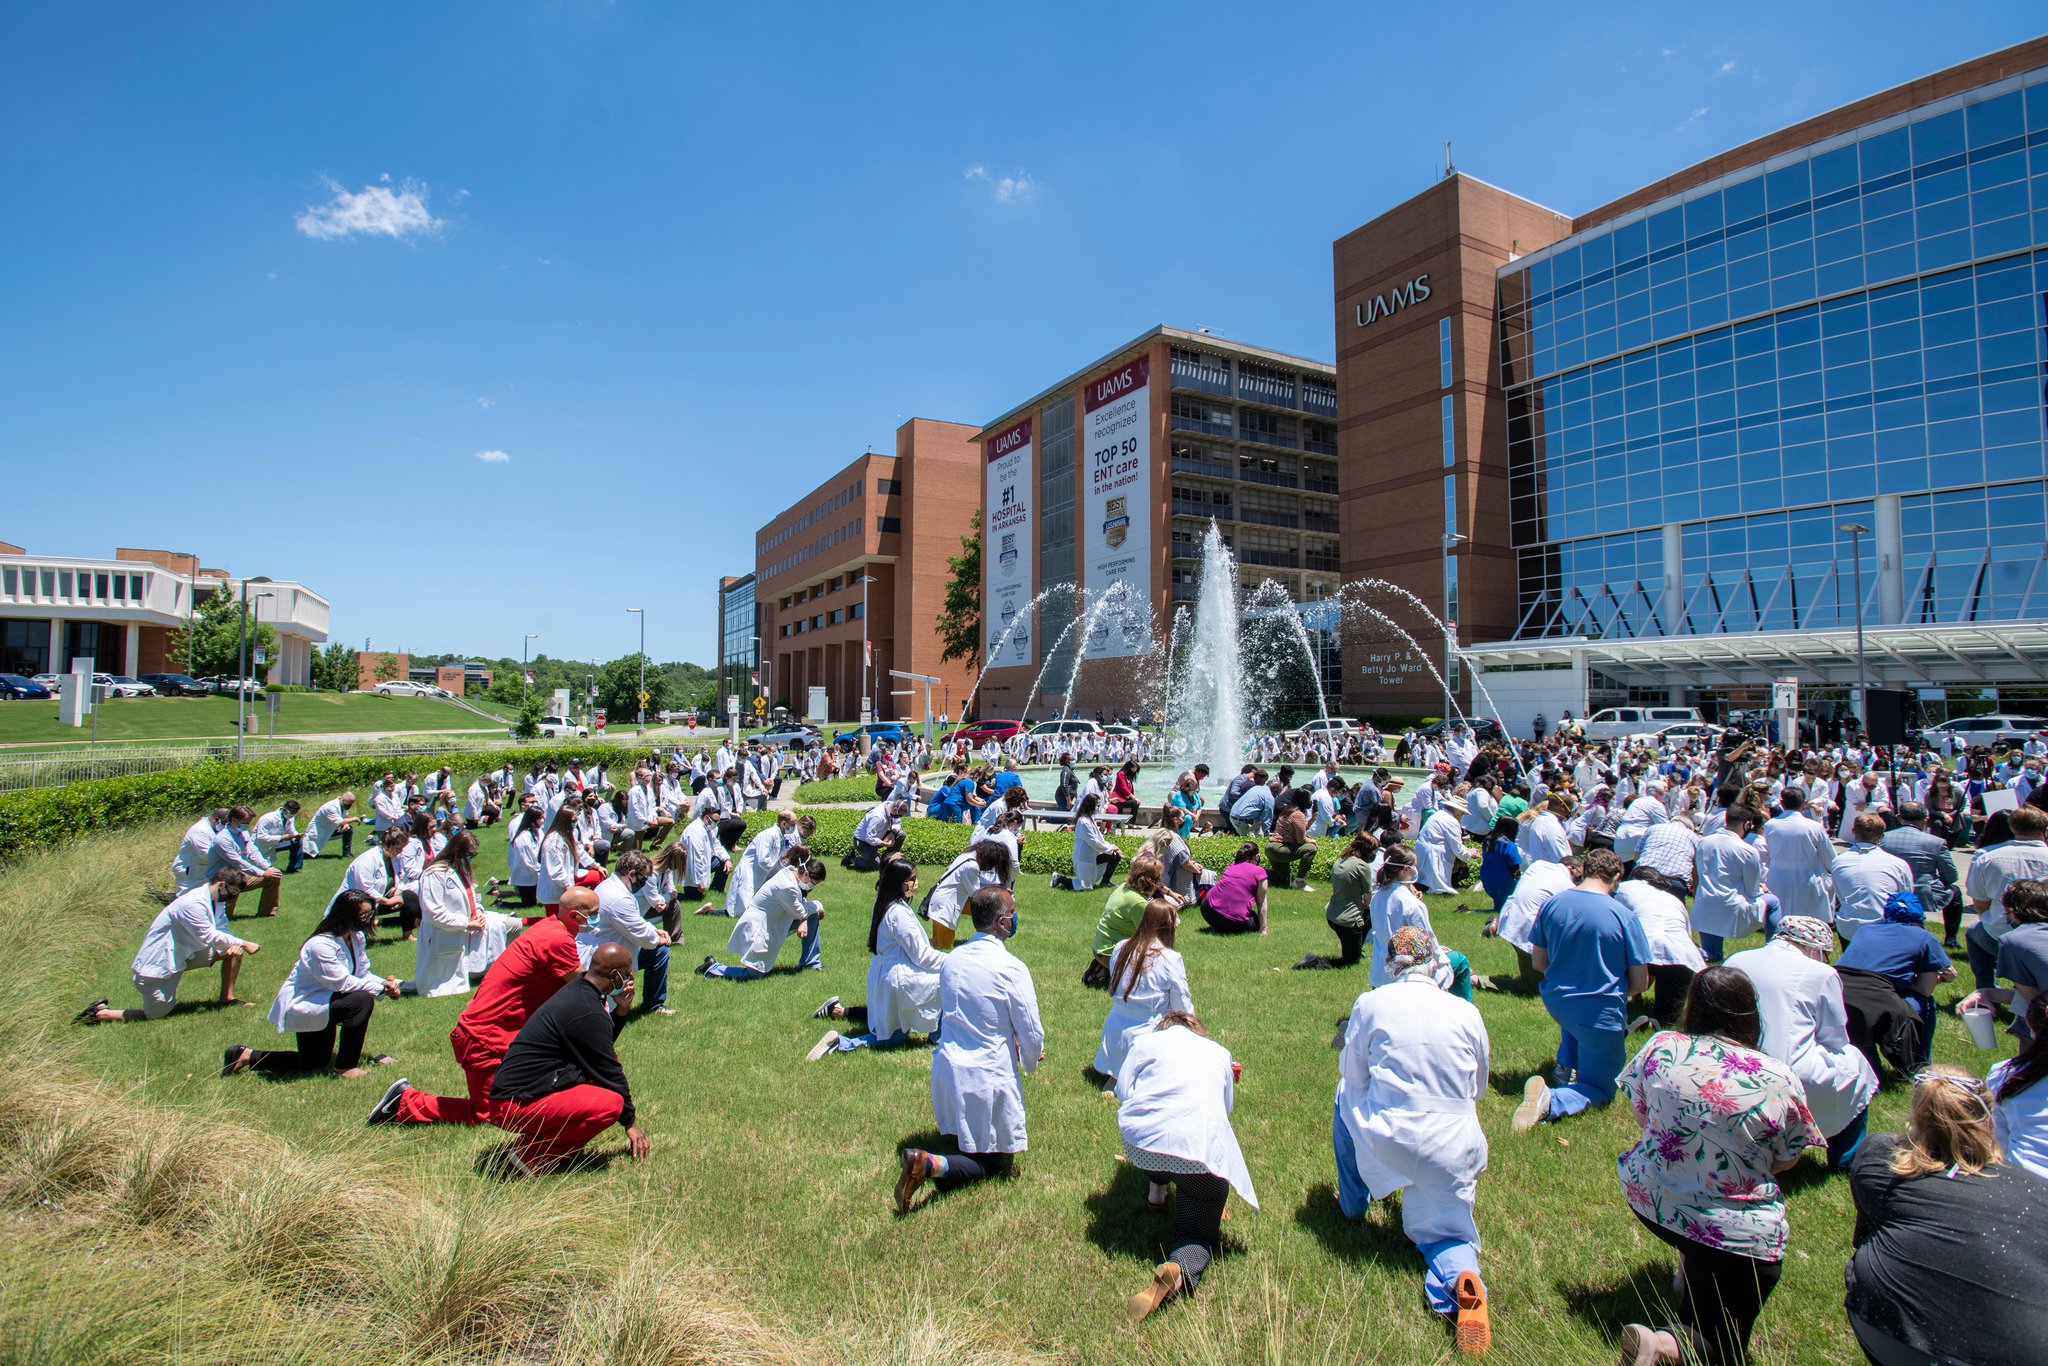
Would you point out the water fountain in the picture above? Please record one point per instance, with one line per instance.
(1205, 700)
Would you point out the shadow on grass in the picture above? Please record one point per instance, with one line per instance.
(1642, 1296)
(1812, 1171)
(1376, 1238)
(1509, 1081)
(494, 1163)
(1122, 1224)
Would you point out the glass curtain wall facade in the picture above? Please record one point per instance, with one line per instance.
(1056, 534)
(739, 656)
(1701, 393)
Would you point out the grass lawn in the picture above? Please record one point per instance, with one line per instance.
(213, 718)
(778, 1171)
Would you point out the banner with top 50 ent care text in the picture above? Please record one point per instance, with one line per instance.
(1006, 536)
(1115, 473)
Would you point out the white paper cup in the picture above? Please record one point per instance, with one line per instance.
(1983, 1026)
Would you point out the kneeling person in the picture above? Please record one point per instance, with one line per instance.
(189, 933)
(561, 1084)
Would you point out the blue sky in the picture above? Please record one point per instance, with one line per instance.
(484, 319)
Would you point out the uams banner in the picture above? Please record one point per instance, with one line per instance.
(1006, 537)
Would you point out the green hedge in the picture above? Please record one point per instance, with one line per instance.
(854, 787)
(50, 816)
(930, 843)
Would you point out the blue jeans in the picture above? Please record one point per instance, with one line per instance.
(1714, 946)
(1982, 949)
(1352, 1196)
(653, 965)
(1842, 1145)
(1593, 1058)
(297, 858)
(809, 958)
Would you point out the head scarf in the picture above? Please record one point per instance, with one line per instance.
(1807, 932)
(1410, 947)
(1904, 908)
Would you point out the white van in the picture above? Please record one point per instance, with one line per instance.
(1617, 723)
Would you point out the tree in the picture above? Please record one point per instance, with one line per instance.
(386, 668)
(211, 641)
(960, 619)
(334, 668)
(528, 726)
(618, 686)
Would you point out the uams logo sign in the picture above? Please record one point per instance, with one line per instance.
(1393, 301)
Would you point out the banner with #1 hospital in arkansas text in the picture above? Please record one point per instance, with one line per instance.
(1116, 508)
(1006, 537)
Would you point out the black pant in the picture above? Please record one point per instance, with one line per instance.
(1952, 919)
(1672, 981)
(528, 895)
(348, 841)
(1350, 948)
(1106, 865)
(1724, 1293)
(1197, 1219)
(348, 1015)
(964, 1169)
(1223, 925)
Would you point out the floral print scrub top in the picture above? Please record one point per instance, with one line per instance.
(1716, 1117)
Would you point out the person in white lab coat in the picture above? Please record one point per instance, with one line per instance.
(1412, 1070)
(190, 933)
(1394, 904)
(279, 829)
(1806, 1027)
(763, 855)
(189, 867)
(903, 973)
(1440, 846)
(458, 938)
(1542, 838)
(1175, 1092)
(387, 804)
(481, 804)
(1655, 902)
(1643, 813)
(377, 872)
(1516, 922)
(621, 920)
(979, 865)
(1801, 859)
(522, 855)
(1866, 876)
(1728, 899)
(326, 1000)
(1147, 979)
(783, 904)
(710, 864)
(332, 819)
(990, 1036)
(563, 862)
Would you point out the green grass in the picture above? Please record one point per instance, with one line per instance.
(778, 1172)
(213, 718)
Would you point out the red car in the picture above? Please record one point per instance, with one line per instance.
(986, 730)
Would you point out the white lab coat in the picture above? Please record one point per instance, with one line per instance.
(328, 965)
(1730, 875)
(1174, 1094)
(989, 1036)
(1392, 907)
(1437, 848)
(473, 804)
(184, 935)
(557, 868)
(1413, 1068)
(386, 808)
(1801, 859)
(1539, 882)
(903, 976)
(449, 952)
(700, 843)
(641, 804)
(756, 864)
(1642, 813)
(1866, 877)
(1806, 1027)
(769, 917)
(1856, 799)
(1089, 847)
(1542, 840)
(326, 824)
(1163, 986)
(366, 872)
(1480, 809)
(620, 919)
(961, 879)
(1662, 917)
(188, 869)
(274, 830)
(522, 857)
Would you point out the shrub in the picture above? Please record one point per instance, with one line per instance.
(45, 817)
(853, 787)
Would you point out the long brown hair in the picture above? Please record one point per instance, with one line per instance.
(1154, 933)
(456, 854)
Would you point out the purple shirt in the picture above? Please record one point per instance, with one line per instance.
(1235, 892)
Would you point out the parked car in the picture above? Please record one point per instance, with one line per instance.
(17, 688)
(1069, 726)
(222, 686)
(1327, 726)
(552, 727)
(399, 687)
(176, 685)
(120, 685)
(980, 732)
(1618, 723)
(1702, 735)
(1990, 728)
(790, 732)
(1485, 729)
(1118, 730)
(51, 681)
(876, 731)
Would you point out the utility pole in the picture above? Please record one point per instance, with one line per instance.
(641, 696)
(1857, 531)
(867, 695)
(524, 685)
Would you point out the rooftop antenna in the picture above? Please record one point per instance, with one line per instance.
(1449, 169)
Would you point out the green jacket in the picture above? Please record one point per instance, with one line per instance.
(1350, 894)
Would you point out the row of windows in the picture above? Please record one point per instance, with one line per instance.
(835, 502)
(1966, 183)
(1255, 383)
(836, 537)
(820, 620)
(36, 584)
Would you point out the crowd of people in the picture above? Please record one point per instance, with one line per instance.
(1617, 874)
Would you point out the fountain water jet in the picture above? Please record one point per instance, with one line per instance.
(1206, 708)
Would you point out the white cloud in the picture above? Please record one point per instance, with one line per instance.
(493, 457)
(482, 402)
(1694, 117)
(1727, 68)
(380, 210)
(1008, 189)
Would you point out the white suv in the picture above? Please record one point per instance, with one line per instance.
(1327, 727)
(553, 726)
(1991, 728)
(1618, 723)
(1054, 729)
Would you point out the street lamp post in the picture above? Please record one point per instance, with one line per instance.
(867, 697)
(525, 686)
(641, 696)
(761, 663)
(1857, 531)
(242, 666)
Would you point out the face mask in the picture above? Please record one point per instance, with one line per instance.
(621, 991)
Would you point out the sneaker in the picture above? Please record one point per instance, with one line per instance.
(824, 1045)
(231, 1059)
(704, 968)
(517, 1165)
(657, 1010)
(1475, 1328)
(1166, 1279)
(91, 1014)
(1535, 1105)
(1641, 1022)
(386, 1110)
(1463, 909)
(824, 1012)
(917, 1169)
(1306, 888)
